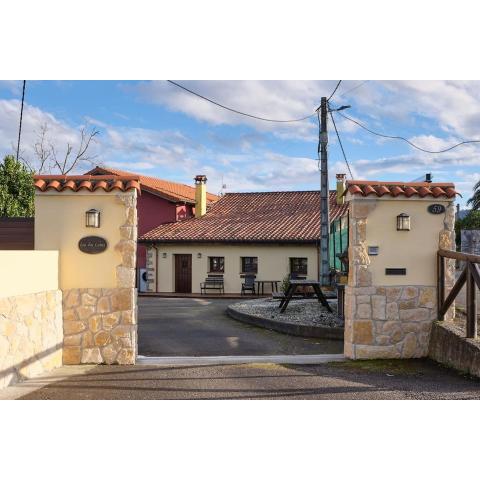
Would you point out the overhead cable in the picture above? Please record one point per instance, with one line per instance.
(397, 137)
(334, 90)
(341, 146)
(237, 111)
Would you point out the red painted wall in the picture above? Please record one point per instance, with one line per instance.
(152, 212)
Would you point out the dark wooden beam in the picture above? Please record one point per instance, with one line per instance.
(471, 304)
(475, 273)
(466, 257)
(440, 284)
(444, 306)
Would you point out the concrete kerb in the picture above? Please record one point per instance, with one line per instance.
(334, 333)
(242, 359)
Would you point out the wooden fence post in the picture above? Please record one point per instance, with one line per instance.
(471, 304)
(440, 284)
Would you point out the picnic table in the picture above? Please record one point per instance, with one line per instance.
(261, 284)
(292, 288)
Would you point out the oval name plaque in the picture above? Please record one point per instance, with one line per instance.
(92, 244)
(436, 208)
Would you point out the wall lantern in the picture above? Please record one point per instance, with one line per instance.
(403, 222)
(199, 255)
(164, 254)
(92, 218)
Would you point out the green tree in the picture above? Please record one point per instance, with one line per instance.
(470, 222)
(16, 189)
(475, 200)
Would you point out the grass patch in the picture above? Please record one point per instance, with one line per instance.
(388, 367)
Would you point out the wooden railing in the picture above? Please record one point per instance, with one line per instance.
(471, 276)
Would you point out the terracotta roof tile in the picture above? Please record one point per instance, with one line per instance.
(76, 183)
(253, 217)
(395, 189)
(176, 192)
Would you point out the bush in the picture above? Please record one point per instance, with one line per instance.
(285, 284)
(16, 189)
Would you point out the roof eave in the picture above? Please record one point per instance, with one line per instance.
(217, 240)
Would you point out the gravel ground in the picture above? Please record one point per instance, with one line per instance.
(308, 312)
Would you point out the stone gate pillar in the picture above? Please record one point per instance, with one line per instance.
(395, 232)
(92, 222)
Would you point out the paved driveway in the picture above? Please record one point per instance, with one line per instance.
(397, 379)
(200, 327)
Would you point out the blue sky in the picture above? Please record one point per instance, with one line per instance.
(157, 129)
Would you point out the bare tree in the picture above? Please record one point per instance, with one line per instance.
(42, 151)
(49, 160)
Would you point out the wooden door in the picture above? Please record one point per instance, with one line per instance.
(183, 273)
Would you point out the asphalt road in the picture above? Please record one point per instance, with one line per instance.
(395, 379)
(200, 327)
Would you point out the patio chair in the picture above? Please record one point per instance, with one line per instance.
(249, 284)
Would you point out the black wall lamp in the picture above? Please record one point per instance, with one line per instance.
(403, 222)
(92, 218)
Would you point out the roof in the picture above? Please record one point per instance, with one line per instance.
(172, 191)
(271, 217)
(86, 182)
(404, 189)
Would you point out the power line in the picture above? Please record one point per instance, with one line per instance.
(355, 87)
(21, 117)
(340, 142)
(334, 90)
(397, 137)
(237, 111)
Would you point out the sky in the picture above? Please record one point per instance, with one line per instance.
(155, 128)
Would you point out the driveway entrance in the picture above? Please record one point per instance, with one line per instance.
(200, 327)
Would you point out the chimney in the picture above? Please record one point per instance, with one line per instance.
(200, 196)
(341, 186)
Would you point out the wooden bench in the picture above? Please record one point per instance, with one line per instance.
(212, 283)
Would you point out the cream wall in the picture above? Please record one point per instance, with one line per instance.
(27, 271)
(414, 250)
(60, 224)
(273, 263)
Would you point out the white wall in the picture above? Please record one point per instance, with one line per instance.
(60, 224)
(273, 262)
(414, 250)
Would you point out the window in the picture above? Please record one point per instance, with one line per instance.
(298, 266)
(216, 264)
(249, 264)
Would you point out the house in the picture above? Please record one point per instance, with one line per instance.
(161, 201)
(270, 234)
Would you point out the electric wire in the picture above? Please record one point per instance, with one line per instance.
(397, 137)
(355, 87)
(238, 111)
(341, 145)
(334, 90)
(21, 117)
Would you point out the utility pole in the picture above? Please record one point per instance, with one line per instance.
(324, 259)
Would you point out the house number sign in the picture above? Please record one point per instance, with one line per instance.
(436, 208)
(92, 244)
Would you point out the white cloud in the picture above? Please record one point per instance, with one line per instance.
(33, 119)
(245, 160)
(283, 100)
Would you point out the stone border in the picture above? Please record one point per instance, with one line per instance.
(333, 333)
